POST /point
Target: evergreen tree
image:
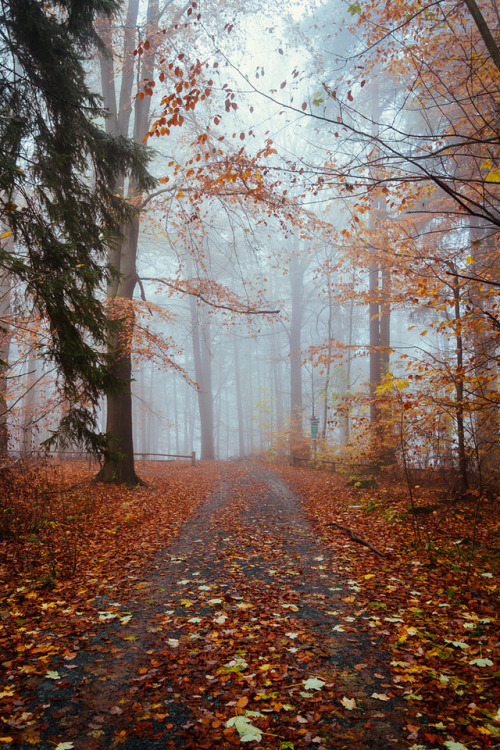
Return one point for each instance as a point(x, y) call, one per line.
point(58, 205)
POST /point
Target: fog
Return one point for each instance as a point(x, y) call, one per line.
point(322, 240)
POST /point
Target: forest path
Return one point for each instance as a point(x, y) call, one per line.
point(241, 613)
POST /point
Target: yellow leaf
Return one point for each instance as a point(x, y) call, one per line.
point(369, 575)
point(493, 176)
point(5, 235)
point(469, 260)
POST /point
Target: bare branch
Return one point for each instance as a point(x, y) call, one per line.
point(199, 295)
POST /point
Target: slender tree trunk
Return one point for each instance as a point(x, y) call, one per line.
point(375, 365)
point(328, 364)
point(345, 424)
point(176, 418)
point(296, 274)
point(27, 437)
point(459, 387)
point(203, 373)
point(239, 405)
point(277, 384)
point(5, 334)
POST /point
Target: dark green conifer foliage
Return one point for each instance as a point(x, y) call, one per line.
point(58, 170)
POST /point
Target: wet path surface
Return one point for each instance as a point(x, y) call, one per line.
point(236, 631)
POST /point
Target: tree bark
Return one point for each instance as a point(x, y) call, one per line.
point(296, 274)
point(119, 465)
point(200, 328)
point(5, 334)
point(239, 405)
point(459, 388)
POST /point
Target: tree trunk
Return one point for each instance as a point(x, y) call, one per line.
point(203, 374)
point(239, 405)
point(328, 362)
point(118, 466)
point(459, 388)
point(118, 463)
point(296, 273)
point(5, 334)
point(345, 424)
point(27, 437)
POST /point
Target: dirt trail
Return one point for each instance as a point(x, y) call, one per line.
point(241, 614)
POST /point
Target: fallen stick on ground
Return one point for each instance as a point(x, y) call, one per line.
point(357, 539)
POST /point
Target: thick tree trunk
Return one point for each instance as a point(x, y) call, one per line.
point(118, 466)
point(118, 463)
point(486, 396)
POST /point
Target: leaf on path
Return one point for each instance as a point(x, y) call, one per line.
point(235, 665)
point(103, 616)
point(451, 745)
point(481, 663)
point(64, 746)
point(381, 696)
point(247, 731)
point(313, 683)
point(349, 703)
point(52, 675)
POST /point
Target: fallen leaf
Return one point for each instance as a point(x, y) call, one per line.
point(313, 683)
point(247, 731)
point(349, 703)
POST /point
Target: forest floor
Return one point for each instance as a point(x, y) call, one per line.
point(221, 607)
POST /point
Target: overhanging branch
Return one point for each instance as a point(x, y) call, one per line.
point(200, 296)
